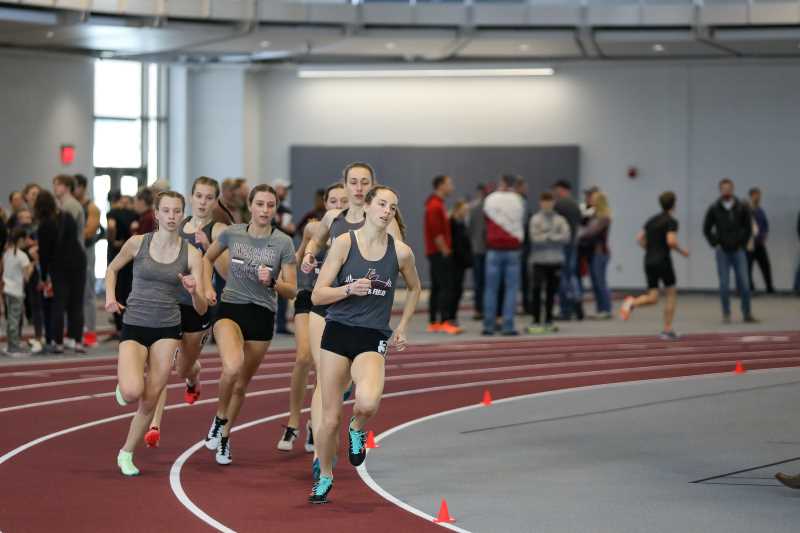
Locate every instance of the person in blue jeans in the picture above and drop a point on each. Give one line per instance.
(569, 290)
(595, 234)
(728, 227)
(504, 212)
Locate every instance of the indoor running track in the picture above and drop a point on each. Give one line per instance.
(62, 430)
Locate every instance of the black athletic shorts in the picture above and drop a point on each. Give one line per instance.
(351, 341)
(661, 272)
(302, 304)
(321, 310)
(257, 323)
(191, 322)
(148, 336)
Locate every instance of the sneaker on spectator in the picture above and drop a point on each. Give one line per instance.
(35, 345)
(17, 351)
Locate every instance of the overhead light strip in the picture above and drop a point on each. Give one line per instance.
(426, 73)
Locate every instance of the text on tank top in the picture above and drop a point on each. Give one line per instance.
(153, 302)
(375, 309)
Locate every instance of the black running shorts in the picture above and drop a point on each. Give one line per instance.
(148, 336)
(302, 304)
(662, 272)
(257, 323)
(352, 341)
(191, 322)
(321, 310)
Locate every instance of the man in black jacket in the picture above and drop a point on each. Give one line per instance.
(728, 227)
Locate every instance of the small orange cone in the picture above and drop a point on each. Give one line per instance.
(371, 444)
(444, 514)
(487, 398)
(739, 368)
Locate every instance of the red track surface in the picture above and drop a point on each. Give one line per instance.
(71, 482)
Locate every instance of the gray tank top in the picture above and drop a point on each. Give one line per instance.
(184, 297)
(153, 302)
(375, 309)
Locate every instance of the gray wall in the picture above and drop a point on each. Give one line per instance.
(683, 125)
(45, 101)
(409, 170)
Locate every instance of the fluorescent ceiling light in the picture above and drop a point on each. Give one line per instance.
(307, 72)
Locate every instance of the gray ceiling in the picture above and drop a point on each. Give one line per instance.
(336, 30)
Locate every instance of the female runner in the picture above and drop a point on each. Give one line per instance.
(357, 280)
(163, 266)
(358, 179)
(335, 198)
(262, 265)
(200, 231)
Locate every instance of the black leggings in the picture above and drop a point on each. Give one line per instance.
(441, 296)
(544, 276)
(68, 290)
(759, 255)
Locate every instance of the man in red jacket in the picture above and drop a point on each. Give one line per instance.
(439, 249)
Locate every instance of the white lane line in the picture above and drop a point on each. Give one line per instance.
(427, 375)
(486, 357)
(372, 484)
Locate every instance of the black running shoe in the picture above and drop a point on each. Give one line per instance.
(320, 490)
(356, 450)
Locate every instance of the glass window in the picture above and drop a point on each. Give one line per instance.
(117, 143)
(128, 185)
(152, 151)
(100, 258)
(118, 89)
(101, 186)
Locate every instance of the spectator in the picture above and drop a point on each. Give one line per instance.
(462, 254)
(226, 204)
(90, 235)
(64, 190)
(316, 213)
(29, 193)
(439, 249)
(476, 225)
(33, 294)
(17, 202)
(759, 251)
(595, 237)
(63, 266)
(727, 228)
(797, 272)
(119, 220)
(549, 234)
(283, 221)
(17, 269)
(521, 188)
(504, 211)
(143, 205)
(569, 293)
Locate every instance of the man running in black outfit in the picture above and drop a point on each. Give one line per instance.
(659, 237)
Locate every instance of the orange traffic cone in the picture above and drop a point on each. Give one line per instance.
(487, 398)
(739, 368)
(371, 444)
(444, 514)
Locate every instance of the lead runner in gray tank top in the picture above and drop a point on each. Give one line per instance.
(375, 309)
(153, 302)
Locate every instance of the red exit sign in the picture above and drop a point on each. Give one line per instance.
(67, 154)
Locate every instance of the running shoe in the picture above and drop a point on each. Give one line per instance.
(223, 456)
(118, 396)
(125, 464)
(434, 327)
(320, 490)
(356, 450)
(627, 308)
(152, 437)
(192, 393)
(215, 433)
(348, 392)
(510, 333)
(309, 444)
(536, 329)
(550, 327)
(450, 329)
(793, 482)
(79, 348)
(17, 351)
(315, 469)
(669, 336)
(286, 442)
(487, 333)
(36, 346)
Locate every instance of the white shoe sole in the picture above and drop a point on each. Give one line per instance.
(309, 448)
(223, 460)
(285, 445)
(212, 444)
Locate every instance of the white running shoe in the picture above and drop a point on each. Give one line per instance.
(286, 442)
(215, 433)
(36, 346)
(309, 444)
(223, 456)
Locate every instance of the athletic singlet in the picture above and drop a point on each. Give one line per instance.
(375, 309)
(339, 225)
(153, 302)
(185, 297)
